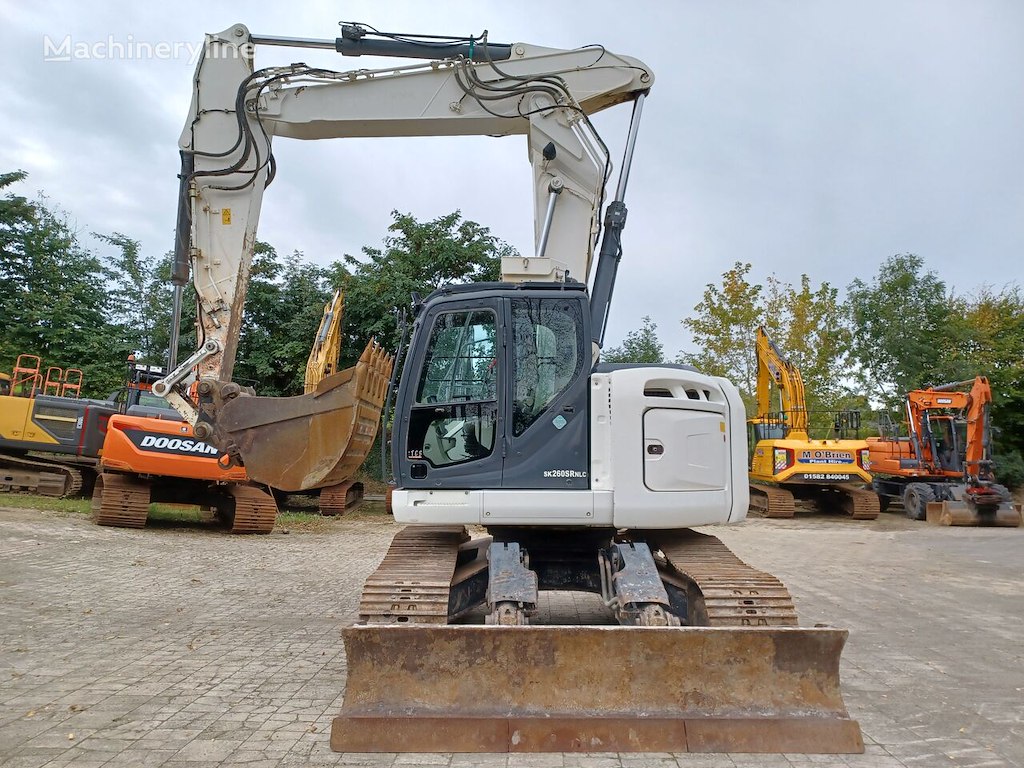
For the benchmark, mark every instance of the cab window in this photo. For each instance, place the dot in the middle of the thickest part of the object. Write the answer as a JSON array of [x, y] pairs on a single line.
[[455, 415], [548, 352]]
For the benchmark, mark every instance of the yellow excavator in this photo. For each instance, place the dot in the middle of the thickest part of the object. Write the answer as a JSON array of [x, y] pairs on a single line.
[[50, 437], [586, 476], [322, 363], [786, 464]]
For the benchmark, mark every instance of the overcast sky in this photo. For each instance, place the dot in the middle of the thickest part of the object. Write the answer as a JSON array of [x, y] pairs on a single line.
[[804, 137]]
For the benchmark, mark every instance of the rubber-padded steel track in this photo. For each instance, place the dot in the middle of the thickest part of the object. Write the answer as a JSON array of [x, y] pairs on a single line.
[[771, 501], [35, 476], [255, 510], [120, 500], [411, 584], [725, 591]]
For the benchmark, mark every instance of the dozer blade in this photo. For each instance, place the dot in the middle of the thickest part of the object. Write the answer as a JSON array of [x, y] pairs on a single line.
[[593, 689], [1004, 515], [315, 440]]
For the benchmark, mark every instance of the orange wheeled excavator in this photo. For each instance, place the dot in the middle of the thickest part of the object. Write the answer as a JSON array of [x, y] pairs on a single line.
[[942, 468]]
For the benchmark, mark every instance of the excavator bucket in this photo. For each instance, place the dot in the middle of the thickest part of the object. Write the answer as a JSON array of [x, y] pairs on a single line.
[[1004, 515], [315, 440], [462, 688]]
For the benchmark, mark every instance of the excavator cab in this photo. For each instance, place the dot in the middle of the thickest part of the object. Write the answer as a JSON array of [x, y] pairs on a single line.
[[5, 385], [948, 434], [489, 384]]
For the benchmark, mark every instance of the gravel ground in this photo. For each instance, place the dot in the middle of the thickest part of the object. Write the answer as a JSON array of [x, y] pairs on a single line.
[[181, 646]]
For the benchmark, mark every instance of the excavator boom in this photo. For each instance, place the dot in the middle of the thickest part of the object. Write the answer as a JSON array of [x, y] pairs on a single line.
[[227, 161]]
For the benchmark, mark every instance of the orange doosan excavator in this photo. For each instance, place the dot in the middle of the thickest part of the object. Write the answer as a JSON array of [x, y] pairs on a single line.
[[942, 469], [150, 455]]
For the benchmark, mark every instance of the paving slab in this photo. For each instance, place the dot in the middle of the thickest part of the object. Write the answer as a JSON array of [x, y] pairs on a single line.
[[182, 646]]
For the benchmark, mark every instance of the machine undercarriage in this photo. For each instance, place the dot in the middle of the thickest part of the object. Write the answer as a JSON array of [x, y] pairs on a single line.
[[123, 500], [708, 649], [780, 501]]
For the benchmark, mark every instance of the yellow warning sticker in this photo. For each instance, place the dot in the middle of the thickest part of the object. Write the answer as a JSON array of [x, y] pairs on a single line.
[[225, 216]]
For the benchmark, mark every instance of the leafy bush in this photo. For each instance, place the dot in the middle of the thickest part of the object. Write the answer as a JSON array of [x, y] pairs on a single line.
[[1010, 469]]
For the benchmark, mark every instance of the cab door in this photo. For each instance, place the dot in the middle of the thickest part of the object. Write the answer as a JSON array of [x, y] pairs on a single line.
[[452, 430]]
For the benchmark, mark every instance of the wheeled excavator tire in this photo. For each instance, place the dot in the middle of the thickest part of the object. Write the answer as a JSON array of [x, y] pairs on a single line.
[[120, 500], [916, 498], [741, 677], [771, 501]]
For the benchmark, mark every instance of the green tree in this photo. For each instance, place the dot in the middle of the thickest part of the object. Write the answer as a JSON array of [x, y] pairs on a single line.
[[415, 257], [807, 324], [988, 328], [640, 346], [901, 328], [816, 339], [282, 312], [53, 295], [723, 325]]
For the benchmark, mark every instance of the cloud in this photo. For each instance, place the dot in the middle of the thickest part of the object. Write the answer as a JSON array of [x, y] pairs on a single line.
[[803, 137]]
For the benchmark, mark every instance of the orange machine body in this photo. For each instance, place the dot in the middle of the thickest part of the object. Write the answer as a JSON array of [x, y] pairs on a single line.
[[948, 436], [163, 447], [943, 469]]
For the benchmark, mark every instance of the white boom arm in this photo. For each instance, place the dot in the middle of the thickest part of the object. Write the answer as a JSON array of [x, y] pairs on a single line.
[[544, 93]]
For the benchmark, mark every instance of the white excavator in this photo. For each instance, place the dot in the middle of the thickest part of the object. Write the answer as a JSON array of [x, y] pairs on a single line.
[[585, 476]]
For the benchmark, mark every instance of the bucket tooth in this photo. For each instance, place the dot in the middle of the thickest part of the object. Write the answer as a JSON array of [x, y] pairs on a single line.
[[567, 688]]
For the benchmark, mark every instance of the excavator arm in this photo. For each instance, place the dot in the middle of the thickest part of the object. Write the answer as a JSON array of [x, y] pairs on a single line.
[[479, 89], [773, 367], [323, 356]]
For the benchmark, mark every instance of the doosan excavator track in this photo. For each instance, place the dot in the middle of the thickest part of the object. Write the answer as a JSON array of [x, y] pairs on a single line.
[[122, 501]]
